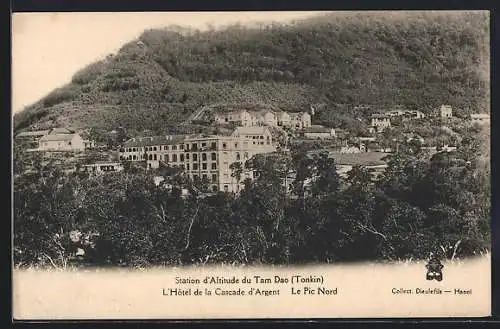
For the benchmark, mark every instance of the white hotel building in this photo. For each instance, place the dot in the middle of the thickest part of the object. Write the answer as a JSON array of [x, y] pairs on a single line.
[[203, 157]]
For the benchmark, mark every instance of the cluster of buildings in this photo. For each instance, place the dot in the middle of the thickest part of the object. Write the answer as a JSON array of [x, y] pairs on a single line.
[[381, 121], [209, 157], [244, 118]]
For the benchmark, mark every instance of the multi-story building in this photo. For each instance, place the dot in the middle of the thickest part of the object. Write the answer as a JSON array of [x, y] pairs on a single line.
[[480, 118], [245, 118], [300, 120], [258, 135], [241, 118], [380, 122], [205, 158], [445, 111]]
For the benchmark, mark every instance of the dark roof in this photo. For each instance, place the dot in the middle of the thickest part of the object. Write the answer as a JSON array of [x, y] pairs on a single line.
[[314, 129], [154, 140], [33, 133], [363, 158]]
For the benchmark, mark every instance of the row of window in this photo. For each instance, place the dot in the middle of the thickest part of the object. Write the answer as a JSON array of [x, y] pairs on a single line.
[[181, 157], [188, 147]]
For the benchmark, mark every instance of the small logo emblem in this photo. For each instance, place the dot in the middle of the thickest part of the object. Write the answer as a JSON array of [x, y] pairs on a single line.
[[434, 269]]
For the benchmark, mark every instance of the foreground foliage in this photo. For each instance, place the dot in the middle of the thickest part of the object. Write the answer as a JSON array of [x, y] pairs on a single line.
[[419, 205]]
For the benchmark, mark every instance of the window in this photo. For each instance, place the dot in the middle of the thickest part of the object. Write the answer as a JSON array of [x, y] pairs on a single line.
[[261, 137], [154, 148], [246, 155], [174, 147], [214, 178], [154, 156], [165, 147], [182, 166], [204, 177], [226, 188], [235, 145], [195, 157], [181, 146], [194, 147], [181, 156], [224, 146], [195, 166], [150, 157], [187, 156], [204, 166], [174, 157], [214, 145], [203, 157], [166, 157], [214, 156], [134, 157], [187, 166], [214, 166], [237, 156], [214, 188], [203, 144], [195, 177]]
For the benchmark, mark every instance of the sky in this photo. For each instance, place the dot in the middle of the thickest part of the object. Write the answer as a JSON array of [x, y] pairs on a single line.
[[48, 48]]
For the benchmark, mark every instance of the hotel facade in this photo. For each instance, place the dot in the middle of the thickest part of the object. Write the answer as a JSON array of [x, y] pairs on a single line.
[[244, 118], [205, 158]]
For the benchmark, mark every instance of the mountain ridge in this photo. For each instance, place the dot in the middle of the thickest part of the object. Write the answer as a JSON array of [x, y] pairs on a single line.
[[155, 82]]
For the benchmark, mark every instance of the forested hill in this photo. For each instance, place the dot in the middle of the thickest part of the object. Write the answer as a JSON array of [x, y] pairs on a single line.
[[418, 60]]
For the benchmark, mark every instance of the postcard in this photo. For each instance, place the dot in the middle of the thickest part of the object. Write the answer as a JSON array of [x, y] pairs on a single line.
[[251, 165]]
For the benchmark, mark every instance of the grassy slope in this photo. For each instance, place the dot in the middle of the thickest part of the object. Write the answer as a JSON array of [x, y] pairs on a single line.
[[419, 60]]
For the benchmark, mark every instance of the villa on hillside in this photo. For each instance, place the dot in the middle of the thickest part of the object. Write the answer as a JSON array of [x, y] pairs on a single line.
[[61, 142], [248, 118], [55, 139], [445, 111], [380, 122]]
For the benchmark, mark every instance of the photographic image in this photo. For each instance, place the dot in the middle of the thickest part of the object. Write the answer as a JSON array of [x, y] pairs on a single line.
[[245, 140]]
